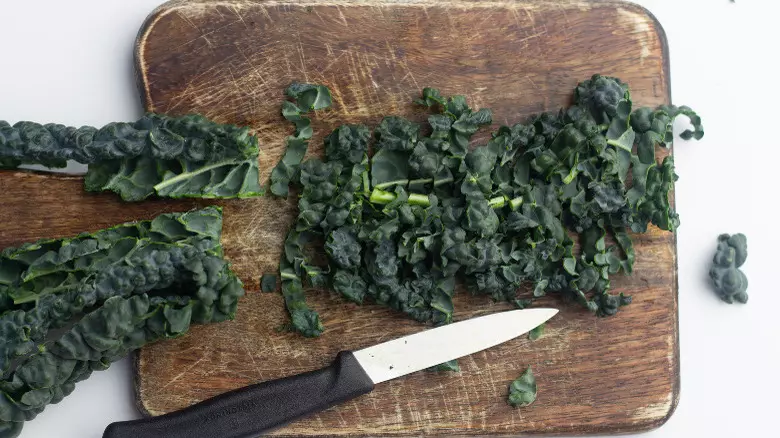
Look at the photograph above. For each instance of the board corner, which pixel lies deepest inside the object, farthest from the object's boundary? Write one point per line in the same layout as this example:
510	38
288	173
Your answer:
138	381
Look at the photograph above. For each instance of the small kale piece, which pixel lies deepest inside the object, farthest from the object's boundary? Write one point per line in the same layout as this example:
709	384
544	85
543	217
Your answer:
522	392
396	133
446	366
729	281
536	333
456	123
306	98
604	97
268	283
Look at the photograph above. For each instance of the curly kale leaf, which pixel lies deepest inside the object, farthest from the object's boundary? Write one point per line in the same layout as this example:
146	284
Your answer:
268	283
177	157
65	277
348	143
396	133
477	169
654	206
604	97
306	98
456	123
389	168
481	219
309	97
343	248
124	287
729	281
522	392
304	320
350	286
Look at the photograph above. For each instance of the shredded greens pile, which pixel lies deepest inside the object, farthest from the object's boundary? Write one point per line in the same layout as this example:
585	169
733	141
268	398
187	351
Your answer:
406	211
111	292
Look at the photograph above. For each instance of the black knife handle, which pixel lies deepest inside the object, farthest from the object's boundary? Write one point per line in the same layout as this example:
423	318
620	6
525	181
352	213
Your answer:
250	411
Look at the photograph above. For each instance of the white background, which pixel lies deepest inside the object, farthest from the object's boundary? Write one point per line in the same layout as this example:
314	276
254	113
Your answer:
70	62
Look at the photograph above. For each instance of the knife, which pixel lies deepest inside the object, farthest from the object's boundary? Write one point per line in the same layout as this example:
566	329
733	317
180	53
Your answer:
250	411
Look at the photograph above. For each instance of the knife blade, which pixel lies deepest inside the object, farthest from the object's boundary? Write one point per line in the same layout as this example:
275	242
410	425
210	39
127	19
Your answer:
256	409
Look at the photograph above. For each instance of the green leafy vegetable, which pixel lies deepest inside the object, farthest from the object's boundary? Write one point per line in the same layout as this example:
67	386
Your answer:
536	333
268	283
176	157
729	281
446	366
117	289
522	392
535	206
305	98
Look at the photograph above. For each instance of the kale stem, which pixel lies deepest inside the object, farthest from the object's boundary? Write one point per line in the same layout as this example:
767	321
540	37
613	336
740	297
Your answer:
400	182
188	175
382	197
289	276
366	184
421	181
498	201
439	182
418	199
516	203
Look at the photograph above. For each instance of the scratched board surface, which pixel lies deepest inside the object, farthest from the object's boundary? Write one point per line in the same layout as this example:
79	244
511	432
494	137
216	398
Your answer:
231	60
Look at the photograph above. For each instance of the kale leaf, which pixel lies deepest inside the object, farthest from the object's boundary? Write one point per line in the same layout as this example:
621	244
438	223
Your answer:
176	157
536	333
268	283
124	287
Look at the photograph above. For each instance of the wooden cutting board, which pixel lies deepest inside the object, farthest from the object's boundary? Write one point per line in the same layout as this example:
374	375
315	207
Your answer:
231	60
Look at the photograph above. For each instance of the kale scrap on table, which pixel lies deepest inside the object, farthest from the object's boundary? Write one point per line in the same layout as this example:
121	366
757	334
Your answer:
406	210
729	281
112	291
175	157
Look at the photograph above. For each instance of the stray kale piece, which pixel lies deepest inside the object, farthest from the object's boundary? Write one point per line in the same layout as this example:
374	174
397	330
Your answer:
268	283
425	209
446	366
522	392
536	333
305	98
118	289
729	281
176	157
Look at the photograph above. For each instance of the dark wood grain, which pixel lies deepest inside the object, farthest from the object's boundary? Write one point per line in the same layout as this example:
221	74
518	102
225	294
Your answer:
230	60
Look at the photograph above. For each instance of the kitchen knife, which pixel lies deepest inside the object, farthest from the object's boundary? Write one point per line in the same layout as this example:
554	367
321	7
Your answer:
250	411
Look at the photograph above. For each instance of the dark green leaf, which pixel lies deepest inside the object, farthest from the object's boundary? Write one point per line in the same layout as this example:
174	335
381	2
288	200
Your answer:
536	333
522	392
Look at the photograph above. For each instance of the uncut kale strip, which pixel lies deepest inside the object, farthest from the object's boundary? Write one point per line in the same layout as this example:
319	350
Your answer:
176	157
126	286
426	211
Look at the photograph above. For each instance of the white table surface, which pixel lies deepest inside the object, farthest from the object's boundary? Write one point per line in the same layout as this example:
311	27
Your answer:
70	62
